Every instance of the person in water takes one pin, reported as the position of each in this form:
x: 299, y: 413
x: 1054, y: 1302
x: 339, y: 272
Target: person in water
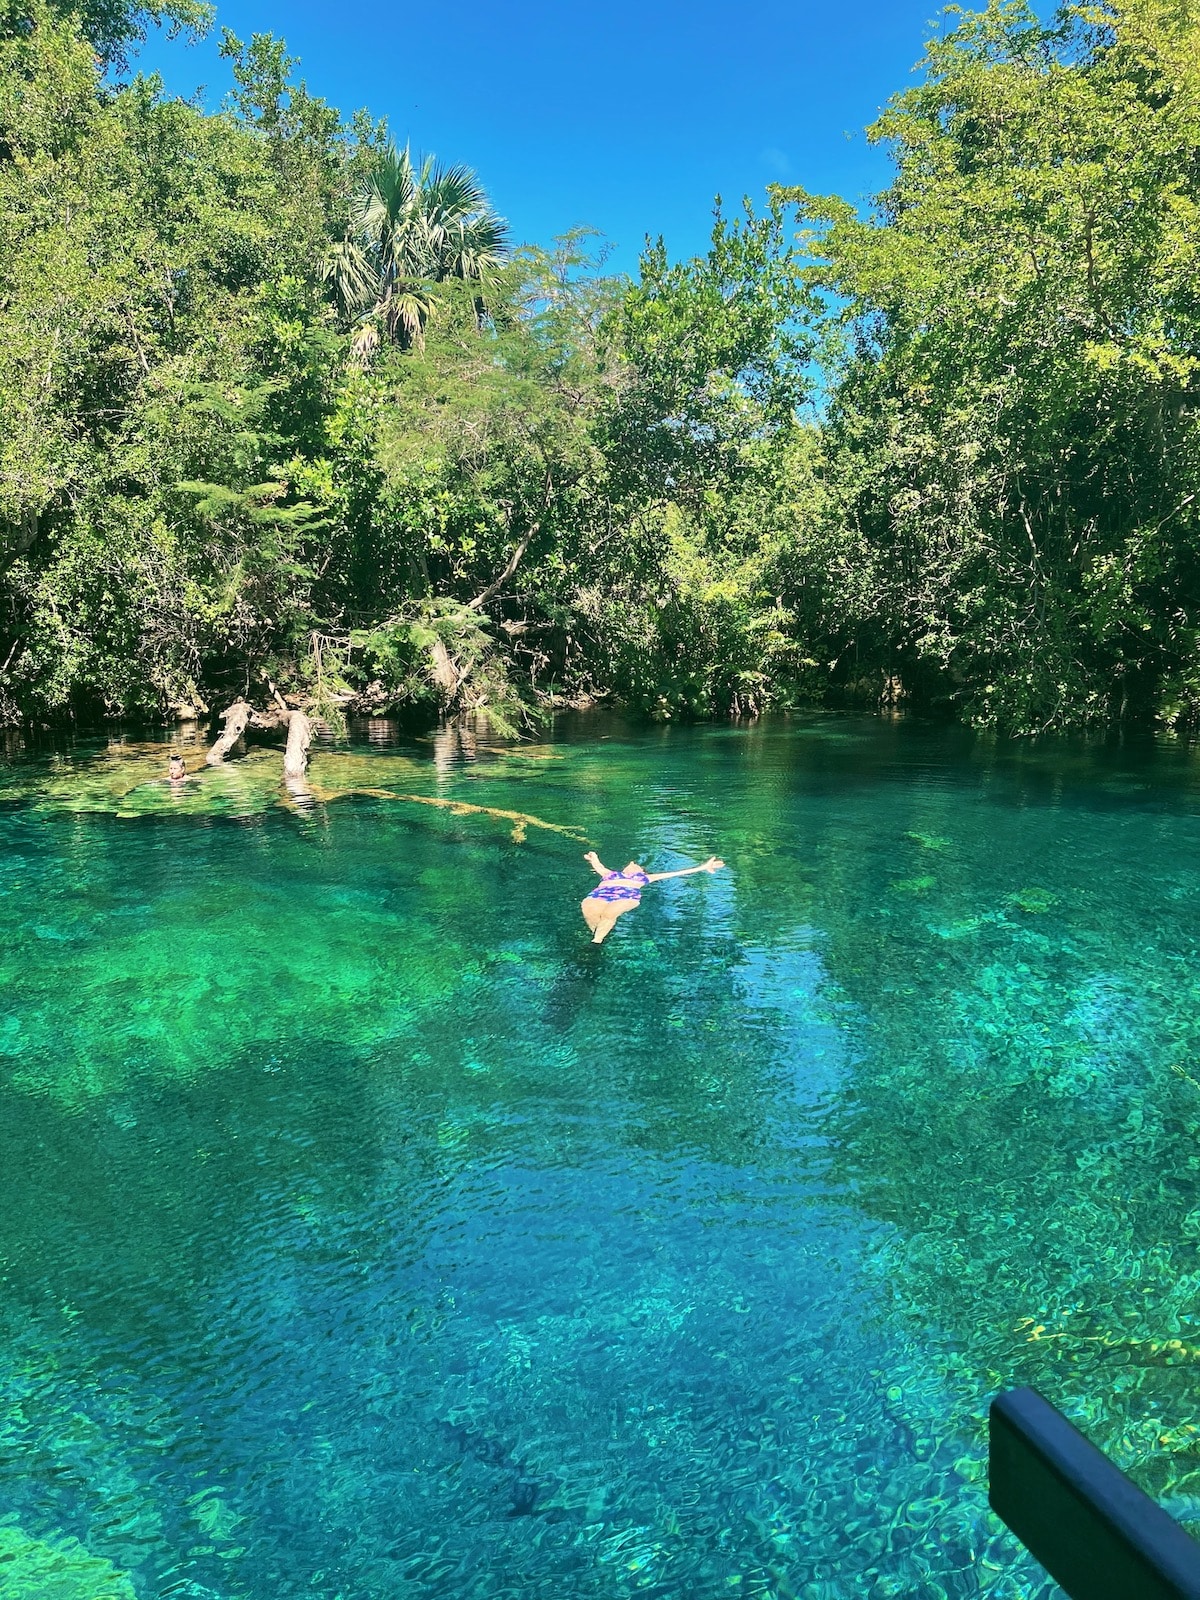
x: 618, y: 892
x: 176, y: 771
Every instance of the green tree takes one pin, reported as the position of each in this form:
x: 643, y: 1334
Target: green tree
x: 1013, y: 431
x: 161, y: 327
x: 111, y: 27
x: 410, y: 229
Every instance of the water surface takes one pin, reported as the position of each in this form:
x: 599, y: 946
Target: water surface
x: 367, y: 1234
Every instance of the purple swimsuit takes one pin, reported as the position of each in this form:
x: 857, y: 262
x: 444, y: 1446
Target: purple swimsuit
x: 616, y: 886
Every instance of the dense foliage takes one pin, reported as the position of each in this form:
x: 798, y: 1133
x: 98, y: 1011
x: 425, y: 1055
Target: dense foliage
x: 1014, y: 430
x: 282, y: 406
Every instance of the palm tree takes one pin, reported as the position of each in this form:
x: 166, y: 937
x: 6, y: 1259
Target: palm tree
x: 409, y: 229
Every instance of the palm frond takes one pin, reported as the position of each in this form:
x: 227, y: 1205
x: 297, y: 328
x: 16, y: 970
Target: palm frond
x: 351, y: 273
x: 365, y: 342
x: 409, y: 309
x: 474, y: 250
x: 452, y: 193
x: 410, y: 227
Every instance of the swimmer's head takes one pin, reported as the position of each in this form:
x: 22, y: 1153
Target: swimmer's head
x: 630, y: 867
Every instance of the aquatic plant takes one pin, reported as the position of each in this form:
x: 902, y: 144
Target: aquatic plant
x: 1033, y: 901
x: 34, y: 1569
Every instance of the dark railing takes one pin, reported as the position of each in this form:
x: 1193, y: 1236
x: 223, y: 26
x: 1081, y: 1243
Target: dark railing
x: 1093, y: 1530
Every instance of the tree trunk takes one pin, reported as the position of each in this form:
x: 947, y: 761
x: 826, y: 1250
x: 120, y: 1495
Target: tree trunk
x: 295, y: 760
x: 21, y: 541
x: 445, y: 673
x: 235, y: 718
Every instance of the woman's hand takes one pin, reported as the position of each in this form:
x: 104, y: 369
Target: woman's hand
x: 713, y: 864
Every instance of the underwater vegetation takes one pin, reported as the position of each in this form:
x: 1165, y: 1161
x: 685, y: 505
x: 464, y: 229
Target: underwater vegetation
x: 64, y: 1571
x: 1033, y: 901
x: 928, y: 841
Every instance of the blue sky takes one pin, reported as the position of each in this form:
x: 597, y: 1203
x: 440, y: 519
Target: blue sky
x: 628, y: 116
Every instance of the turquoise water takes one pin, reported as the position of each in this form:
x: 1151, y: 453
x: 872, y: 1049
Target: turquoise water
x: 368, y: 1233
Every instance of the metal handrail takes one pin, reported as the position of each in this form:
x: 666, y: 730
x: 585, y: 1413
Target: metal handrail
x: 1093, y: 1530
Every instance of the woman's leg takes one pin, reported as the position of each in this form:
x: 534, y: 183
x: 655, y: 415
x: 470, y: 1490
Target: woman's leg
x: 601, y: 916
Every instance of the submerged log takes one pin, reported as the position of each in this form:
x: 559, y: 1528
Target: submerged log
x: 235, y: 718
x: 521, y: 820
x: 300, y: 794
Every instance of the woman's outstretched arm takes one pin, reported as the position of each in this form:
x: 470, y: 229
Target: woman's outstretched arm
x: 713, y: 864
x: 596, y: 863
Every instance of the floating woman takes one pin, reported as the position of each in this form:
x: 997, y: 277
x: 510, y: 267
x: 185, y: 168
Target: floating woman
x: 618, y: 892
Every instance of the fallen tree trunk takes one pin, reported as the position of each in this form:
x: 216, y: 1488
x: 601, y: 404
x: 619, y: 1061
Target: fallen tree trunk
x: 521, y: 820
x: 295, y: 760
x: 241, y: 715
x: 235, y: 718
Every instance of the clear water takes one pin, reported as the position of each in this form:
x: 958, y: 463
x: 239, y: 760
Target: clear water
x: 367, y: 1234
